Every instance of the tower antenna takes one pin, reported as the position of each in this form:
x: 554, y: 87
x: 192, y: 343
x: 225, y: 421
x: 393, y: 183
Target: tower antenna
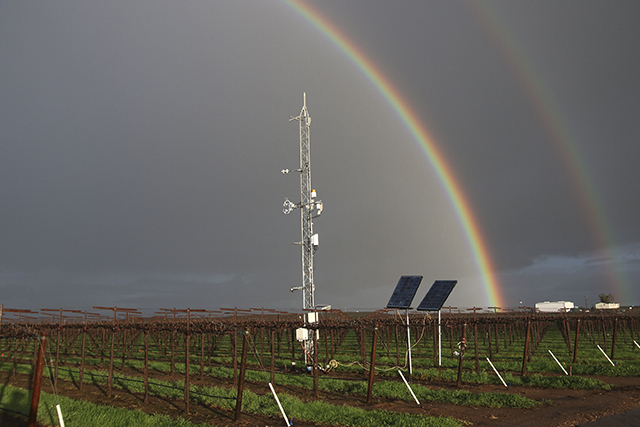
x: 310, y: 208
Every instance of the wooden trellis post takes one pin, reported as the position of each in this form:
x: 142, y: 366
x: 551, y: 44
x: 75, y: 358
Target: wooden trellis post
x: 526, y: 349
x: 615, y: 336
x: 82, y: 355
x: 575, y: 342
x: 372, y: 364
x: 273, y: 356
x: 463, y: 346
x: 243, y: 366
x: 37, y: 382
x: 146, y: 366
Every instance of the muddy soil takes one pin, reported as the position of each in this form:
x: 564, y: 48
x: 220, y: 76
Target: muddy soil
x: 565, y: 407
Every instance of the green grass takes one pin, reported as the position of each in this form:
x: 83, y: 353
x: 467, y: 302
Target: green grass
x: 315, y: 411
x: 259, y: 404
x: 487, y: 376
x: 81, y: 413
x: 388, y: 389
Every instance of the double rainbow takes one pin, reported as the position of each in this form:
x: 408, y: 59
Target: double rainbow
x: 422, y: 136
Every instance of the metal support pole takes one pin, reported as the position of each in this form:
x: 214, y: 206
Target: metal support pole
x: 439, y: 340
x: 284, y: 415
x: 558, y: 362
x: 409, y: 387
x: 435, y: 345
x: 409, y: 346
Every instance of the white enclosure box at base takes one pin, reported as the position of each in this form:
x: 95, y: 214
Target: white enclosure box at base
x: 302, y: 334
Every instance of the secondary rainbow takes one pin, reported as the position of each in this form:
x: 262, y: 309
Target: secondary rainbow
x: 564, y: 144
x: 422, y: 136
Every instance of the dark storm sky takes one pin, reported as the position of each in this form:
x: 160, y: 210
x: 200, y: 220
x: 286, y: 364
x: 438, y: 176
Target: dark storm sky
x: 142, y: 142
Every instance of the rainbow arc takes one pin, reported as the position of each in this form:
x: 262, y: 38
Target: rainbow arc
x: 423, y: 138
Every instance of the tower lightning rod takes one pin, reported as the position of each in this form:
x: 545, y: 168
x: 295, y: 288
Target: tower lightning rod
x: 309, y: 208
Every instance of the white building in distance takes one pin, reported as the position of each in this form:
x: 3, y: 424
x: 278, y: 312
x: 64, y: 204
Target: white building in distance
x: 554, y: 307
x: 607, y: 305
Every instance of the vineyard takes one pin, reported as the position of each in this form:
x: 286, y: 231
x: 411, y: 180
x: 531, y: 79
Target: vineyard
x: 246, y: 367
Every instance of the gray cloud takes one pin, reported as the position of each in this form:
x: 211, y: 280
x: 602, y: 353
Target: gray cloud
x: 141, y: 145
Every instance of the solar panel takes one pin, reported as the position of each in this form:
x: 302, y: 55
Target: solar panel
x: 404, y: 292
x: 437, y: 295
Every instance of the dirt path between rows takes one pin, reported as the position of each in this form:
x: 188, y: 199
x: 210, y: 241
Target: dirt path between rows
x: 566, y: 408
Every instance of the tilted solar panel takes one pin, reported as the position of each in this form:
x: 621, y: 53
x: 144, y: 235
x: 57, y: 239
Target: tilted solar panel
x: 404, y: 292
x: 437, y: 295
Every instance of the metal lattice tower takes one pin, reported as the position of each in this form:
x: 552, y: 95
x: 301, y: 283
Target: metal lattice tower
x: 309, y: 208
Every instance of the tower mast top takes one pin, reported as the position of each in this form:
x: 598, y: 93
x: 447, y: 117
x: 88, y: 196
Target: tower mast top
x: 309, y: 208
